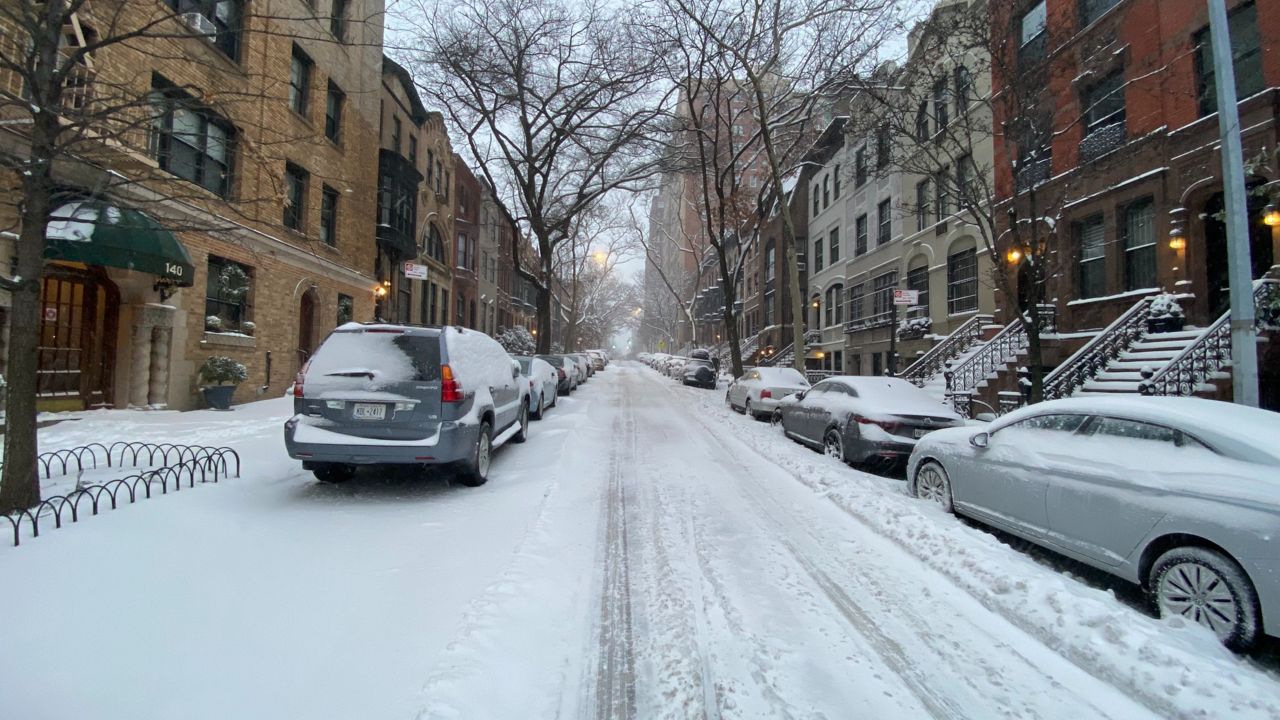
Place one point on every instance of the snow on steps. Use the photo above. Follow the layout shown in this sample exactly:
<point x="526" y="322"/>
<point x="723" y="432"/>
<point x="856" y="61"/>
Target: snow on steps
<point x="937" y="385"/>
<point x="1124" y="375"/>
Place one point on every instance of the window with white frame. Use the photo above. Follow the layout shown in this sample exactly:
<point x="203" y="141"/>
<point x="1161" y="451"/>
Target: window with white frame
<point x="962" y="281"/>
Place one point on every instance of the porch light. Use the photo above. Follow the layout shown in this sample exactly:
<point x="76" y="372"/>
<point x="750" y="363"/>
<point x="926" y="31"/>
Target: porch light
<point x="381" y="290"/>
<point x="1271" y="215"/>
<point x="1177" y="239"/>
<point x="1013" y="256"/>
<point x="821" y="355"/>
<point x="815" y="304"/>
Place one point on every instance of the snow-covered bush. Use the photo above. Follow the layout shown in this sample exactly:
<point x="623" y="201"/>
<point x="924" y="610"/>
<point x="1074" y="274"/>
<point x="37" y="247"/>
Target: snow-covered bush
<point x="1166" y="306"/>
<point x="222" y="370"/>
<point x="517" y="340"/>
<point x="213" y="323"/>
<point x="915" y="327"/>
<point x="247" y="327"/>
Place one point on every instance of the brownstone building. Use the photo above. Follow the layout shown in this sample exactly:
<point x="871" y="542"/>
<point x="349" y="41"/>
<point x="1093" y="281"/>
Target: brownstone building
<point x="1130" y="177"/>
<point x="232" y="221"/>
<point x="467" y="228"/>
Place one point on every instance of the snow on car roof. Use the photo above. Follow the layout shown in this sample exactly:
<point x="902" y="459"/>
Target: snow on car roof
<point x="894" y="395"/>
<point x="778" y="374"/>
<point x="1219" y="423"/>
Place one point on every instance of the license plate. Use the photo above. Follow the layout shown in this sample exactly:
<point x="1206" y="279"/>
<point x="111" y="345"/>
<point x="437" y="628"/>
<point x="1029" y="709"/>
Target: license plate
<point x="920" y="432"/>
<point x="369" y="411"/>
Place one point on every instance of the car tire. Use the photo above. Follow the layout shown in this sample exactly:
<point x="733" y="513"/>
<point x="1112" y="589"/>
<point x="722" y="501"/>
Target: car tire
<point x="931" y="482"/>
<point x="554" y="399"/>
<point x="833" y="445"/>
<point x="334" y="473"/>
<point x="523" y="433"/>
<point x="538" y="414"/>
<point x="746" y="409"/>
<point x="475" y="472"/>
<point x="1208" y="588"/>
<point x="776" y="419"/>
<point x="729" y="401"/>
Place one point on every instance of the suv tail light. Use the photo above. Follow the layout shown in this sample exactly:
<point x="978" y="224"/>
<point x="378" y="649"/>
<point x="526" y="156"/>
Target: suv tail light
<point x="300" y="378"/>
<point x="765" y="394"/>
<point x="450" y="391"/>
<point x="560" y="373"/>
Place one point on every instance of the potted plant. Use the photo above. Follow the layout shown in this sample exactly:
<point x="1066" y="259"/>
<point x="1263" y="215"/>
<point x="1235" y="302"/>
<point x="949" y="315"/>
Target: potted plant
<point x="221" y="375"/>
<point x="1165" y="315"/>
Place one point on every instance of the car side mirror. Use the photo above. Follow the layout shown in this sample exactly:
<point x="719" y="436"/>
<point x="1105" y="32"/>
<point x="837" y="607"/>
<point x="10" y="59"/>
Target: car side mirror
<point x="981" y="440"/>
<point x="800" y="395"/>
<point x="515" y="371"/>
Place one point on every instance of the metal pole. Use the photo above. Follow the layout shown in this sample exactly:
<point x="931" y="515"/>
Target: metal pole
<point x="893" y="336"/>
<point x="1244" y="347"/>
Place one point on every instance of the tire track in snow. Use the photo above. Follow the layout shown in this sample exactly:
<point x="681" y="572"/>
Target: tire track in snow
<point x="890" y="650"/>
<point x="612" y="695"/>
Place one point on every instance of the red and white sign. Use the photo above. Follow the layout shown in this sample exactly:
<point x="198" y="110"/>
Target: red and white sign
<point x="414" y="271"/>
<point x="906" y="297"/>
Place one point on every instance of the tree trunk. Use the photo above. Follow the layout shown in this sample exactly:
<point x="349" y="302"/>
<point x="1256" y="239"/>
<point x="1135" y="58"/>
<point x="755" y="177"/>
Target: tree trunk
<point x="730" y="321"/>
<point x="19" y="484"/>
<point x="544" y="309"/>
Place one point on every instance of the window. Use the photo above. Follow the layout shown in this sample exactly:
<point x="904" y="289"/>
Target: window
<point x="225" y="16"/>
<point x="817" y="198"/>
<point x="1135" y="430"/>
<point x="940" y="100"/>
<point x="329" y="216"/>
<point x="338" y="19"/>
<point x="460" y="318"/>
<point x="346" y="309"/>
<point x="1246" y="58"/>
<point x="299" y="81"/>
<point x="295" y="196"/>
<point x="431" y="173"/>
<point x="1139" y="245"/>
<point x="413" y="150"/>
<point x="964" y="89"/>
<point x="460" y="257"/>
<point x="922" y="205"/>
<point x="227" y="295"/>
<point x="1034" y="22"/>
<point x="965" y="174"/>
<point x="922" y="121"/>
<point x="1091" y="234"/>
<point x="942" y="196"/>
<point x="739" y="131"/>
<point x="856" y="293"/>
<point x="877" y="363"/>
<point x="826" y="191"/>
<point x="435" y="244"/>
<point x="833" y="246"/>
<point x="817" y="255"/>
<point x="884" y="231"/>
<point x="1104" y="103"/>
<point x="333" y="113"/>
<point x="1091" y="10"/>
<point x="395" y="134"/>
<point x="860" y="236"/>
<point x="835" y="311"/>
<point x="768" y="309"/>
<point x="860" y="167"/>
<point x="918" y="280"/>
<point x="191" y="142"/>
<point x="882" y="146"/>
<point x="1056" y="423"/>
<point x="882" y="293"/>
<point x="835" y="182"/>
<point x="962" y="281"/>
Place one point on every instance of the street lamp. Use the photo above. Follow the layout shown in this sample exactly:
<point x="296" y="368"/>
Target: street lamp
<point x="1014" y="256"/>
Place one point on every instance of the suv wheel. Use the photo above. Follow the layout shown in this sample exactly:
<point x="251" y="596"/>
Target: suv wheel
<point x="1206" y="587"/>
<point x="334" y="473"/>
<point x="542" y="407"/>
<point x="475" y="472"/>
<point x="523" y="433"/>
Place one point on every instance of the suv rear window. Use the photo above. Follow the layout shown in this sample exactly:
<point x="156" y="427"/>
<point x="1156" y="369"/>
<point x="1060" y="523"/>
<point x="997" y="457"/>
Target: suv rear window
<point x="386" y="356"/>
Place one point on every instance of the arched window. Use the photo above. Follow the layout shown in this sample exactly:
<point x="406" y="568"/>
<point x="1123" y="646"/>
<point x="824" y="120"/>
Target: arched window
<point x="962" y="278"/>
<point x="964" y="89"/>
<point x="435" y="243"/>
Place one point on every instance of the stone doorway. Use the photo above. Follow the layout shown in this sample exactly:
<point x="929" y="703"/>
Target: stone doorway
<point x="1215" y="242"/>
<point x="306" y="325"/>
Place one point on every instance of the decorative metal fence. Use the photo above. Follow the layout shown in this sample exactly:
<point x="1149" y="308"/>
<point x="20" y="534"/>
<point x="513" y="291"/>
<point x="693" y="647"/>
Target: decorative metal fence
<point x="190" y="464"/>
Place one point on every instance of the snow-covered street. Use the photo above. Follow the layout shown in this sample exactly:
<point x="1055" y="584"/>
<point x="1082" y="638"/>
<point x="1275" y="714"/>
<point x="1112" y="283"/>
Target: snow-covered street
<point x="646" y="554"/>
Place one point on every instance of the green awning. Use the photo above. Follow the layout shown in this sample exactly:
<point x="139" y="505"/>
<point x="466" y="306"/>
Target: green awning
<point x="99" y="233"/>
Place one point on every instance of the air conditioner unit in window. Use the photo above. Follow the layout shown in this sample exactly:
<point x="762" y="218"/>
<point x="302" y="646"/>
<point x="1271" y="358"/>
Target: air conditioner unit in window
<point x="200" y="24"/>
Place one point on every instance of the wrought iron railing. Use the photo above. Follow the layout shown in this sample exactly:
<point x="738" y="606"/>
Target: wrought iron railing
<point x="1211" y="351"/>
<point x="1102" y="141"/>
<point x="998" y="352"/>
<point x="774" y="359"/>
<point x="814" y="376"/>
<point x="812" y="337"/>
<point x="1031" y="174"/>
<point x="935" y="360"/>
<point x="1098" y="354"/>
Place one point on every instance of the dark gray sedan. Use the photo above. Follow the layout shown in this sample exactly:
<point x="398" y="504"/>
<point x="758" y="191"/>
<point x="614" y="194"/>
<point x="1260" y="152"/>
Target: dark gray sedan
<point x="1180" y="495"/>
<point x="863" y="419"/>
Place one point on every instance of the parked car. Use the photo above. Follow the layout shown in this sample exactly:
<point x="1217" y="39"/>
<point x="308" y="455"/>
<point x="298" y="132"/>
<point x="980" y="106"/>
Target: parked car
<point x="584" y="367"/>
<point x="699" y="372"/>
<point x="674" y="367"/>
<point x="397" y="394"/>
<point x="861" y="419"/>
<point x="543" y="384"/>
<point x="566" y="373"/>
<point x="597" y="359"/>
<point x="587" y="364"/>
<point x="1179" y="495"/>
<point x="758" y="391"/>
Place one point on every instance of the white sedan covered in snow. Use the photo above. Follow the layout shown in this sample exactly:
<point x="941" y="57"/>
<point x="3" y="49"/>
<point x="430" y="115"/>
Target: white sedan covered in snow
<point x="1180" y="495"/>
<point x="759" y="389"/>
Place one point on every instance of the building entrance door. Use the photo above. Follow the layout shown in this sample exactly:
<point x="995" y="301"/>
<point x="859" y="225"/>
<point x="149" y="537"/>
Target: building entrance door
<point x="76" y="353"/>
<point x="306" y="326"/>
<point x="1215" y="243"/>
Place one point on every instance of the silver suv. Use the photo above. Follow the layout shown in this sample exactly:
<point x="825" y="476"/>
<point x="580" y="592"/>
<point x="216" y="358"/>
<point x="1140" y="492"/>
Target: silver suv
<point x="401" y="394"/>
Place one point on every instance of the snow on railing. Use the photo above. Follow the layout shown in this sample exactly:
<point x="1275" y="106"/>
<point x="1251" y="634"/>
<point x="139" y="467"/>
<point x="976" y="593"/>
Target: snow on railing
<point x="996" y="353"/>
<point x="194" y="463"/>
<point x="1098" y="354"/>
<point x="934" y="361"/>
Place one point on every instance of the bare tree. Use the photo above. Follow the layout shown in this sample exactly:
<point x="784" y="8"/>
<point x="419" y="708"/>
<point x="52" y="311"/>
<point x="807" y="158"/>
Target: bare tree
<point x="68" y="116"/>
<point x="671" y="301"/>
<point x="796" y="60"/>
<point x="586" y="264"/>
<point x="555" y="102"/>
